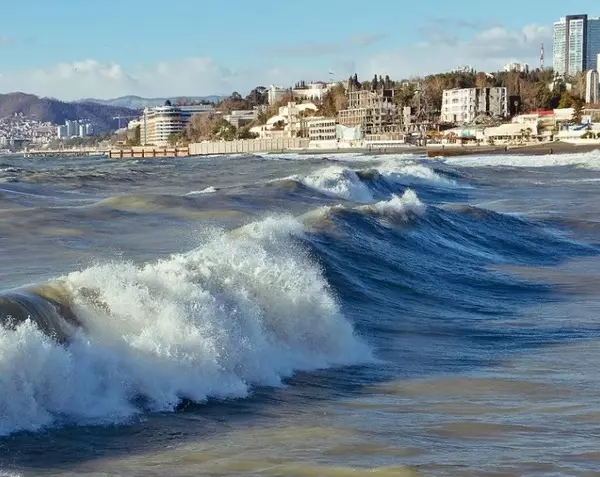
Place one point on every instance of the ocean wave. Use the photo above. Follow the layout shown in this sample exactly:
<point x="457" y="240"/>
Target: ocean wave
<point x="338" y="182"/>
<point x="245" y="309"/>
<point x="404" y="206"/>
<point x="590" y="160"/>
<point x="207" y="190"/>
<point x="361" y="185"/>
<point x="413" y="172"/>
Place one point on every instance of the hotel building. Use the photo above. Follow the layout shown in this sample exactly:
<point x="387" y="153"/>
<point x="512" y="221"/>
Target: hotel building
<point x="159" y="123"/>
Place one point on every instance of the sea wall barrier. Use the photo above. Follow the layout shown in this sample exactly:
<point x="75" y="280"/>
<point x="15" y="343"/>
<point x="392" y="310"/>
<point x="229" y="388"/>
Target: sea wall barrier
<point x="247" y="146"/>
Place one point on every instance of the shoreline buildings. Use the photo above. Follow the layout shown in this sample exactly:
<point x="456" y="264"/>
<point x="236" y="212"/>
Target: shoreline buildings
<point x="159" y="123"/>
<point x="461" y="106"/>
<point x="576" y="44"/>
<point x="592" y="87"/>
<point x="373" y="112"/>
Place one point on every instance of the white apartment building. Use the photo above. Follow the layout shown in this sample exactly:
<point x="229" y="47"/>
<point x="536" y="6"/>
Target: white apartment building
<point x="576" y="44"/>
<point x="322" y="129"/>
<point x="592" y="87"/>
<point x="462" y="106"/>
<point x="61" y="132"/>
<point x="72" y="128"/>
<point x="516" y="66"/>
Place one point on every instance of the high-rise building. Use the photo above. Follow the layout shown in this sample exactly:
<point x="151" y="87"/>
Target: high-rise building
<point x="61" y="132"/>
<point x="576" y="44"/>
<point x="72" y="128"/>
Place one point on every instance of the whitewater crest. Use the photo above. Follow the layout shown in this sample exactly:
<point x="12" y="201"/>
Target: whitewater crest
<point x="586" y="160"/>
<point x="244" y="309"/>
<point x="359" y="185"/>
<point x="402" y="207"/>
<point x="207" y="190"/>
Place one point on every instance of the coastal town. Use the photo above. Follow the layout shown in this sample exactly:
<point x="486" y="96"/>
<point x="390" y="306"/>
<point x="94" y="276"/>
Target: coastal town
<point x="520" y="104"/>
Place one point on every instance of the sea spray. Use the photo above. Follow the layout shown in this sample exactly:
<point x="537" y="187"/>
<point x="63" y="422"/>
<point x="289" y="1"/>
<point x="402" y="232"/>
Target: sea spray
<point x="246" y="308"/>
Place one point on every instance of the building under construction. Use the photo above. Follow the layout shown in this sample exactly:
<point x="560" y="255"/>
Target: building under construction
<point x="374" y="111"/>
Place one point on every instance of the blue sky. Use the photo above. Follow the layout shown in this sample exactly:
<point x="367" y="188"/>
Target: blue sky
<point x="76" y="48"/>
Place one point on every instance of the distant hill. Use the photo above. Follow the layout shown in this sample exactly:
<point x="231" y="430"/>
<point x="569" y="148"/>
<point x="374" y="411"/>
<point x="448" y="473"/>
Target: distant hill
<point x="136" y="102"/>
<point x="55" y="111"/>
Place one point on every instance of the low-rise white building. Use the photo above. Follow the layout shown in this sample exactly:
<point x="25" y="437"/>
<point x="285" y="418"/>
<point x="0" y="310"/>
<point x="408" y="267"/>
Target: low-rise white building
<point x="461" y="106"/>
<point x="312" y="91"/>
<point x="241" y="118"/>
<point x="517" y="67"/>
<point x="290" y="121"/>
<point x="511" y="132"/>
<point x="322" y="129"/>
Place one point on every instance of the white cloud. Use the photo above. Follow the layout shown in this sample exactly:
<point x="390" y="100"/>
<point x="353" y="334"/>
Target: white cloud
<point x="441" y="50"/>
<point x="190" y="76"/>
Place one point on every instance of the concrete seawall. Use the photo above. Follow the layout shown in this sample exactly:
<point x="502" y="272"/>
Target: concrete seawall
<point x="247" y="146"/>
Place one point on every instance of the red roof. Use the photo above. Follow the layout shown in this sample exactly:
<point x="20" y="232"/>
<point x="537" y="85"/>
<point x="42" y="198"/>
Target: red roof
<point x="543" y="112"/>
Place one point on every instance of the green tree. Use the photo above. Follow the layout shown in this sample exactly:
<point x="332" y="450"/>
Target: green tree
<point x="566" y="100"/>
<point x="222" y="129"/>
<point x="578" y="105"/>
<point x="244" y="133"/>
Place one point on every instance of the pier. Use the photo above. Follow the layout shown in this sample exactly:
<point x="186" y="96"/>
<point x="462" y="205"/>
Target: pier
<point x="116" y="153"/>
<point x="148" y="152"/>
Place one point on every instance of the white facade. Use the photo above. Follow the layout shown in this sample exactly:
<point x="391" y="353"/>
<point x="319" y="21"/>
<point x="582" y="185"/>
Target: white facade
<point x="576" y="44"/>
<point x="322" y="129"/>
<point x="276" y="93"/>
<point x="72" y="128"/>
<point x="464" y="105"/>
<point x="516" y="66"/>
<point x="592" y="87"/>
<point x="312" y="91"/>
<point x="61" y="132"/>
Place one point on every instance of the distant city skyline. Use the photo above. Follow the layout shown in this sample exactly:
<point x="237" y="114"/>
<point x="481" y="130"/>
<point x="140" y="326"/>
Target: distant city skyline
<point x="122" y="48"/>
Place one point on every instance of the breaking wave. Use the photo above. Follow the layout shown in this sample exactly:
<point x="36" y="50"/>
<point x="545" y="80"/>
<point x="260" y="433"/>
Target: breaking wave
<point x="247" y="308"/>
<point x="590" y="160"/>
<point x="361" y="185"/>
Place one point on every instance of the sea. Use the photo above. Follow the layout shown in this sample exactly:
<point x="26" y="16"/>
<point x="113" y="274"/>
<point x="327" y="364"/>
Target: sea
<point x="300" y="315"/>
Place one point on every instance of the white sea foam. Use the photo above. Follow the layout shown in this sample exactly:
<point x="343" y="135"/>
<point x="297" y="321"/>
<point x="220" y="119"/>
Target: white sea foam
<point x="246" y="308"/>
<point x="590" y="160"/>
<point x="409" y="171"/>
<point x="208" y="190"/>
<point x="398" y="206"/>
<point x="338" y="182"/>
<point x="344" y="183"/>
